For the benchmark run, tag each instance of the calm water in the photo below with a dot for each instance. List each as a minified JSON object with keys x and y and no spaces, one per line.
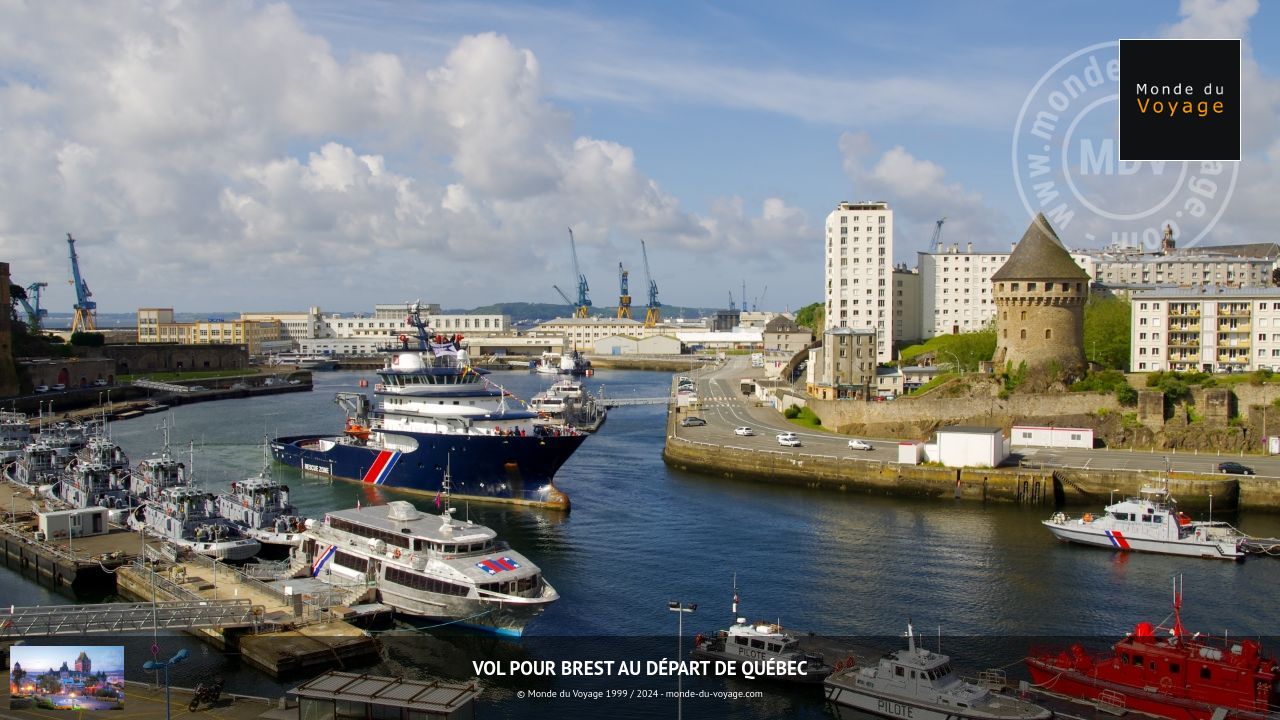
{"x":640,"y":535}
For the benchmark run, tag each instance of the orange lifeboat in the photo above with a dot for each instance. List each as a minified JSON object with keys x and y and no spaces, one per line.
{"x":356,"y":430}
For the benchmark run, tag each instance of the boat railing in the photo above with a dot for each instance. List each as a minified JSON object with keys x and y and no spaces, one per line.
{"x":994,"y":680}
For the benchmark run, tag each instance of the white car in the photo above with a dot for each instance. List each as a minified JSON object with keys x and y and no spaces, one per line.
{"x":860,"y":445}
{"x":789,"y":441}
{"x":744,"y":431}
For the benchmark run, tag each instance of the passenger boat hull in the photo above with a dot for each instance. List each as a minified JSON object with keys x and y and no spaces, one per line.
{"x":1081,"y":533}
{"x":842,"y":693}
{"x":1085,"y":688}
{"x":485,"y":467}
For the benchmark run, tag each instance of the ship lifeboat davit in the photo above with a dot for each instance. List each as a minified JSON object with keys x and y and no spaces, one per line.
{"x":356,"y":430}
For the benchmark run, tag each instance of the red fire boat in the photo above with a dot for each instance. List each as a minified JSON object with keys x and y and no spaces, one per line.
{"x":1166,"y":672}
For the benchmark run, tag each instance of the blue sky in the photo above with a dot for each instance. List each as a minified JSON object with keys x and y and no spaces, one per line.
{"x":251,"y":156}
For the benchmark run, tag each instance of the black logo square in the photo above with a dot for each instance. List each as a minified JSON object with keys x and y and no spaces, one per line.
{"x":1179,"y":100}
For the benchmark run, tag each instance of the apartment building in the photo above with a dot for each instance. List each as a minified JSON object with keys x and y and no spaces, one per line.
{"x":1210,"y":329}
{"x":858,"y":272}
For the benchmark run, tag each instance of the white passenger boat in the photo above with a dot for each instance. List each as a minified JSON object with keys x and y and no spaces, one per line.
{"x":1150,"y":522}
{"x":921,"y":685}
{"x":430,"y":566}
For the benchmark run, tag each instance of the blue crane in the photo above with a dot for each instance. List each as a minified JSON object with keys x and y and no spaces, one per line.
{"x":567,"y":301}
{"x":35,"y":313}
{"x":652,"y":315}
{"x":86,"y":310}
{"x":624,"y":294}
{"x":584,"y":301}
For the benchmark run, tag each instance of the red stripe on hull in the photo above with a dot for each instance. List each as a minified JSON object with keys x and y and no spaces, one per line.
{"x":372,"y":474}
{"x":1124,"y":544}
{"x":1076,"y":685}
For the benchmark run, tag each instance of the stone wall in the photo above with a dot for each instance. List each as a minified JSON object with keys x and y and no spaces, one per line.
{"x":918,"y":417}
{"x":72,"y":372}
{"x":138,"y":359}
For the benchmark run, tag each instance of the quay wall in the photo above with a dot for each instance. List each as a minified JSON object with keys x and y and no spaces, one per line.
{"x":918,"y":417}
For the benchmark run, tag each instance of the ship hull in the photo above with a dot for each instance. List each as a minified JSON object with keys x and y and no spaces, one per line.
{"x":842,"y":693}
{"x":483,"y":467}
{"x":1085,"y":688}
{"x":1113,"y":540}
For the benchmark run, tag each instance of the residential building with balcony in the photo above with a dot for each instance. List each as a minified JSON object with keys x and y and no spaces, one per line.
{"x":1209,"y":329}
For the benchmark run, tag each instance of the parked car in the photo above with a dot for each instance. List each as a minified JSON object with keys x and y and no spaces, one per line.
{"x":99,"y":383}
{"x":42,"y":388}
{"x":786,"y":434}
{"x":744,"y":431}
{"x":693,"y":422}
{"x":789,"y":441}
{"x":856,"y":444}
{"x":59,"y":387}
{"x":1235,"y":468}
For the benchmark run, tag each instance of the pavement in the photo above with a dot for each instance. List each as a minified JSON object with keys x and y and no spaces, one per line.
{"x":724,"y":407}
{"x":145,"y":702}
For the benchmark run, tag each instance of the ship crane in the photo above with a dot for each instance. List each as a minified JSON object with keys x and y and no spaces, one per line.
{"x":653,"y":313}
{"x":584,"y":300}
{"x":624,"y":296}
{"x":86,"y":317}
{"x":31,"y":304}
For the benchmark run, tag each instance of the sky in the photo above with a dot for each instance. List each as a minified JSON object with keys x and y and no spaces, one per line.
{"x":242,"y":155}
{"x":38,"y":658}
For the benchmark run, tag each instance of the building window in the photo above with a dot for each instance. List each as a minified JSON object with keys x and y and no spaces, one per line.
{"x":1048,"y":334}
{"x":1024,"y":334}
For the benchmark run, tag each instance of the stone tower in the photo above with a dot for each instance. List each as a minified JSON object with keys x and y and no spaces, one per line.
{"x":83,"y":663}
{"x":1039,"y":295}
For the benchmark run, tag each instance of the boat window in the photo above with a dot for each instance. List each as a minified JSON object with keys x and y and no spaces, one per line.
{"x":740,"y":640}
{"x":1146,"y":518}
{"x":1137,"y":660}
{"x":358,"y":564}
{"x":1120,"y":515}
{"x":757,"y":644}
{"x":897,"y":670}
{"x":1152,"y":665}
{"x":422,"y":582}
{"x":774,"y":647}
{"x":913,"y":675}
{"x":961,"y":704}
{"x":1205,"y":672}
{"x":1158,"y":519}
{"x":1175,"y":667}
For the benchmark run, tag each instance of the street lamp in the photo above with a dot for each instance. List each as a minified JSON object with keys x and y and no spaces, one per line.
{"x":680,"y":609}
{"x":164,"y":665}
{"x":955,"y":357}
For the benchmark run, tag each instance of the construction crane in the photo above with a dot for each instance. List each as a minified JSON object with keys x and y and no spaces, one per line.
{"x":624,"y":295}
{"x":567,"y":301}
{"x":732,"y":307}
{"x":755,"y":304}
{"x":86,"y":317}
{"x":937,"y":234}
{"x":652,"y":314}
{"x":584,"y":300}
{"x":35,"y":313}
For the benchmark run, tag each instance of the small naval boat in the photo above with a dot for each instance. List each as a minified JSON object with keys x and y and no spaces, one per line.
{"x":1166,"y":672}
{"x":430,"y":566}
{"x":259,"y":507}
{"x":1150,"y":522}
{"x":39,"y":464}
{"x":15,"y":433}
{"x":922,"y":685}
{"x":180,"y":515}
{"x":158,"y":472}
{"x":760,"y":642}
{"x":89,"y":483}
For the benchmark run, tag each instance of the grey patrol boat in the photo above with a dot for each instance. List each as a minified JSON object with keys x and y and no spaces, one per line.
{"x":760,"y":642}
{"x":920,"y":685}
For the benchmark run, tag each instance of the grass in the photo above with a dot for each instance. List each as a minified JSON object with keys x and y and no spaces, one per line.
{"x":935,"y":382}
{"x":191,"y":375}
{"x":808,"y":419}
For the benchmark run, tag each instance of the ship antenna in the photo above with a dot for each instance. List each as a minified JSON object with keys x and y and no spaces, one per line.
{"x":911,"y":637}
{"x":445,"y":485}
{"x":735,"y":595}
{"x":1178,"y":630}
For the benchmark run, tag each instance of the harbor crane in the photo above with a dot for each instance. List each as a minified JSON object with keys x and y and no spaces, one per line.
{"x":755,"y":304}
{"x":732,"y":306}
{"x":567,"y":301}
{"x":937,"y":234}
{"x":584,"y":300}
{"x":86,"y":317}
{"x":31,"y":304}
{"x":624,"y":295}
{"x":652,"y":313}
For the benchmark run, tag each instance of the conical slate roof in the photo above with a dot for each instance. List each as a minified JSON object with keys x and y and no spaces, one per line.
{"x":1040,"y":256}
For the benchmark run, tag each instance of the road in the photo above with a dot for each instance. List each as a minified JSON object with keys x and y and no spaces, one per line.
{"x":724,"y":407}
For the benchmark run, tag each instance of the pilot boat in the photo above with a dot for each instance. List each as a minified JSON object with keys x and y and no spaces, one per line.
{"x":1150,"y":522}
{"x":259,"y":507}
{"x":180,"y":516}
{"x":922,"y":685}
{"x":760,"y":642}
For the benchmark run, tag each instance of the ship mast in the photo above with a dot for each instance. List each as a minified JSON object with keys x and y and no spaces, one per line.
{"x":1178,"y":630}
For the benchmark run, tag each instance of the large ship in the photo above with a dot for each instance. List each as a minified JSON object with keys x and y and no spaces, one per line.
{"x":1166,"y":672}
{"x":428,"y":406}
{"x":1150,"y":522}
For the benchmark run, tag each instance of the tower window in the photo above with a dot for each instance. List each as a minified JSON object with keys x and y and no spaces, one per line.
{"x":1024,"y":334}
{"x":1048,"y":334}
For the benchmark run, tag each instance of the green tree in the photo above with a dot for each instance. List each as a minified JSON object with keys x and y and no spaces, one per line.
{"x":965,"y":349}
{"x":812,"y":316}
{"x":1106,"y":331}
{"x":88,"y":339}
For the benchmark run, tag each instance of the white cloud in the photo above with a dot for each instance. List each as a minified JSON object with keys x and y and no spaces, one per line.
{"x":221,"y":156}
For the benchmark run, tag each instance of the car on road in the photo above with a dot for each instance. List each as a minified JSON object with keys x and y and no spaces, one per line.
{"x":99,"y":383}
{"x":42,"y":388}
{"x":856,"y":444}
{"x":59,"y":387}
{"x":693,"y":422}
{"x":744,"y":431}
{"x":789,"y":440}
{"x":1235,"y":468}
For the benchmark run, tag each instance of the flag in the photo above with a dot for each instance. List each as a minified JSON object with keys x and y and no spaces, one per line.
{"x":357,"y":503}
{"x":437,"y":499}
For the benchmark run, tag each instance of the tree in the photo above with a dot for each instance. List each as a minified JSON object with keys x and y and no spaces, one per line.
{"x":1275,"y":277}
{"x":88,"y":339}
{"x":812,"y":316}
{"x":1106,"y":331}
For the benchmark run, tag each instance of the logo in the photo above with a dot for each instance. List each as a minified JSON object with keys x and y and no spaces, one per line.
{"x":1066,"y":164}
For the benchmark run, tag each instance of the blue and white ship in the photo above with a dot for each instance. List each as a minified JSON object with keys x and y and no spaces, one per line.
{"x":430,"y":406}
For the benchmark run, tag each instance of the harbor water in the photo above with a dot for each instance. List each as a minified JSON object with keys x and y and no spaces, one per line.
{"x":640,"y":535}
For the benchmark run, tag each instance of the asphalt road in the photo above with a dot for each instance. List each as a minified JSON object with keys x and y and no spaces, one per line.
{"x":724,"y":407}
